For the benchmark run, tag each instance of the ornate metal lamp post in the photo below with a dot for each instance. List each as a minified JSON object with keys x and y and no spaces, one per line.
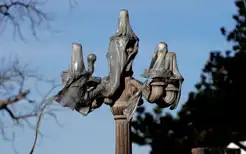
{"x":84,"y":92}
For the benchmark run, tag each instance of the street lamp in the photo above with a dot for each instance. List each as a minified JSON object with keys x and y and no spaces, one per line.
{"x":84,"y":92}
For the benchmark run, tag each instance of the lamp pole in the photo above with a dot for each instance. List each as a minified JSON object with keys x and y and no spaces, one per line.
{"x":123,"y":93}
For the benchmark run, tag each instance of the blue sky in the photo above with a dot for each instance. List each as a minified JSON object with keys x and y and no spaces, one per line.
{"x":191,"y":29}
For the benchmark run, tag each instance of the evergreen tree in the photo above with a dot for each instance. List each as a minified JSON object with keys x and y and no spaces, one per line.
{"x":213,"y":115}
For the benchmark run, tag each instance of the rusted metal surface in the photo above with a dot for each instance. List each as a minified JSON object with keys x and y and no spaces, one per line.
{"x":215,"y":151}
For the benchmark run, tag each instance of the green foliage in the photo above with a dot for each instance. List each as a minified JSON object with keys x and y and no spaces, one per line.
{"x":214,"y":114}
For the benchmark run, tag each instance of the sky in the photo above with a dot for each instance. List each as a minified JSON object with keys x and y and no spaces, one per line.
{"x":190,"y":27}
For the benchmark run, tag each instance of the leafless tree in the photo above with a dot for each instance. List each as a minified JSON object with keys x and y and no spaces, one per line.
{"x":14,"y":76}
{"x":19,"y":13}
{"x":15,"y":91}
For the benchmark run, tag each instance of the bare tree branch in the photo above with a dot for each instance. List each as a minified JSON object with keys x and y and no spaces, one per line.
{"x":13,"y":75}
{"x":73,"y":3}
{"x":13,"y":78}
{"x":17,"y":12}
{"x":14,"y":99}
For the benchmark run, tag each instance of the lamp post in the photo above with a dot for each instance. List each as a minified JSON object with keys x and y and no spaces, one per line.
{"x":123,"y":93}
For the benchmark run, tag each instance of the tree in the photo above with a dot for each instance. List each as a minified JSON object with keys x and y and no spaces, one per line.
{"x":213,"y":115}
{"x":21,"y":13}
{"x":14,"y":76}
